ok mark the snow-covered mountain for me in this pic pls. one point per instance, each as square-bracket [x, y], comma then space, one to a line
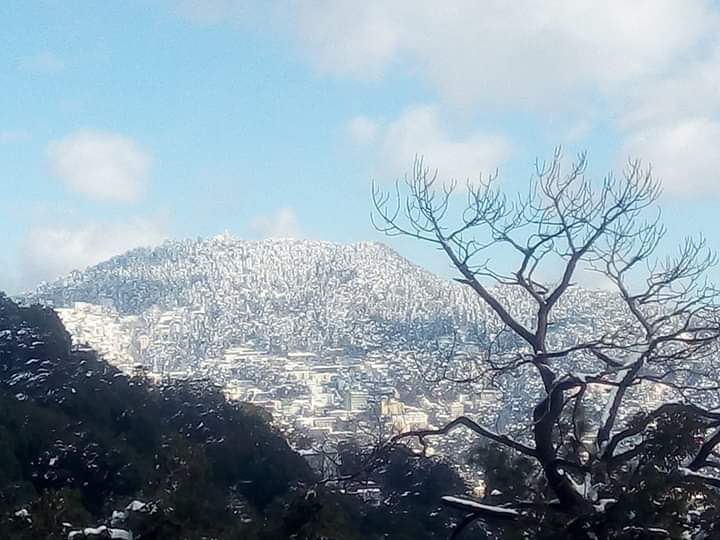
[189, 300]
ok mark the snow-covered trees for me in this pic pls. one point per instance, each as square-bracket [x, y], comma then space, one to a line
[666, 345]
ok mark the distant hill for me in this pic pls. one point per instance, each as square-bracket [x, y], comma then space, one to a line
[189, 300]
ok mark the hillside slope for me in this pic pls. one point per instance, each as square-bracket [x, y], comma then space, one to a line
[189, 300]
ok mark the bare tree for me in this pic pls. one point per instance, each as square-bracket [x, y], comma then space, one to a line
[541, 241]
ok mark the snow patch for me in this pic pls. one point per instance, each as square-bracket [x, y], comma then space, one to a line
[479, 507]
[135, 506]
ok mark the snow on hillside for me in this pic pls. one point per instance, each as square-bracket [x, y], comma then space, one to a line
[186, 301]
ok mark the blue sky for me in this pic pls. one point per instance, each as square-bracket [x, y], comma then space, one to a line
[124, 123]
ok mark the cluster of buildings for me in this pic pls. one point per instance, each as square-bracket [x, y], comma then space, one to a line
[332, 397]
[322, 399]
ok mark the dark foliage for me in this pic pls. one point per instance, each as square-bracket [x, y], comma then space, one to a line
[409, 488]
[645, 499]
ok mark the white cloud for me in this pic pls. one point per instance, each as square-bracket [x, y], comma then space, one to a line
[352, 38]
[688, 92]
[282, 223]
[683, 154]
[54, 250]
[673, 123]
[99, 165]
[522, 52]
[419, 131]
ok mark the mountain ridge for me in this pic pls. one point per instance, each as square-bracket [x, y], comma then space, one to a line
[187, 301]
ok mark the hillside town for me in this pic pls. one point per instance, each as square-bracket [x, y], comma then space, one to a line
[397, 378]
